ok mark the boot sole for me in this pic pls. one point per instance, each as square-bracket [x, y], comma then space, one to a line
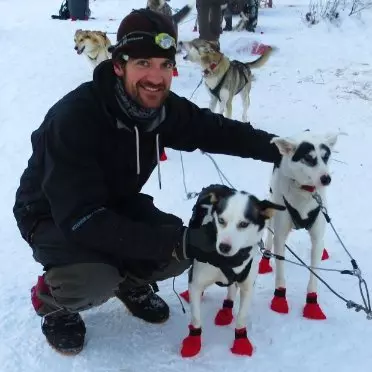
[69, 352]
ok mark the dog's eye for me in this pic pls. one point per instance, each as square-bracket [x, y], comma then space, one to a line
[221, 221]
[243, 224]
[325, 158]
[308, 159]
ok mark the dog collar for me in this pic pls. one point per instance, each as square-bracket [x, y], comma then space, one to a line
[308, 188]
[210, 69]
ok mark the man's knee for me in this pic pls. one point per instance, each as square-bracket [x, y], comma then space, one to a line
[175, 268]
[82, 286]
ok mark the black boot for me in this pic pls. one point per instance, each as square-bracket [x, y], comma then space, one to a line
[143, 303]
[228, 24]
[65, 332]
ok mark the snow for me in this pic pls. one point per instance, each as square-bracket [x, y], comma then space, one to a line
[320, 78]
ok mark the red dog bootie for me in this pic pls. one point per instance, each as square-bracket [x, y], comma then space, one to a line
[264, 266]
[325, 255]
[225, 315]
[191, 345]
[312, 310]
[242, 346]
[186, 296]
[175, 72]
[163, 156]
[279, 302]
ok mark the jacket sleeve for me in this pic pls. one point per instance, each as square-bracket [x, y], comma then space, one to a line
[74, 185]
[196, 128]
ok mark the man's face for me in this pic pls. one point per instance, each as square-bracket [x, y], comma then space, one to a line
[147, 81]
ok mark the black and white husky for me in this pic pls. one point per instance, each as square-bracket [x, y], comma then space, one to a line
[240, 220]
[303, 171]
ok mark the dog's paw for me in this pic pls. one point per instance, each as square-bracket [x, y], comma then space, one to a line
[325, 255]
[191, 345]
[279, 302]
[185, 295]
[264, 266]
[312, 309]
[224, 317]
[242, 346]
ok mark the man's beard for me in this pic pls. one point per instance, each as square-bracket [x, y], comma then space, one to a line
[160, 94]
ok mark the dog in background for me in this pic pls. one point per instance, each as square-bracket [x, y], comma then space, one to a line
[240, 219]
[223, 78]
[160, 6]
[93, 44]
[302, 172]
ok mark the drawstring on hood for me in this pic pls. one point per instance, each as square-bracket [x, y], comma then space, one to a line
[148, 119]
[138, 154]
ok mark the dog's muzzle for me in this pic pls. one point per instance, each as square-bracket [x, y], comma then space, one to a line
[224, 250]
[325, 179]
[79, 51]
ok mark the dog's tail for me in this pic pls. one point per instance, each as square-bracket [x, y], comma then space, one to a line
[181, 14]
[259, 62]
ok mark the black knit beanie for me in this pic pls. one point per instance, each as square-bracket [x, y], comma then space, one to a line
[148, 21]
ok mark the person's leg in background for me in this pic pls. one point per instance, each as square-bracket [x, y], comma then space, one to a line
[215, 18]
[251, 7]
[79, 9]
[227, 15]
[203, 10]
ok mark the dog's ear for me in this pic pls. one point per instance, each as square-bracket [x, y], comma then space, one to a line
[286, 146]
[213, 194]
[331, 139]
[267, 209]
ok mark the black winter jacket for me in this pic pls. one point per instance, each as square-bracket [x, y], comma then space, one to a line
[84, 165]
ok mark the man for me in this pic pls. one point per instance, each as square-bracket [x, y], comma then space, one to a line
[79, 204]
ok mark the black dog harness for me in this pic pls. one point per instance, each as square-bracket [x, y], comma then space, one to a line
[232, 277]
[240, 67]
[299, 222]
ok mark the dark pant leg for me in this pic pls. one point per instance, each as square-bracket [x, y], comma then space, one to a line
[215, 20]
[78, 8]
[228, 19]
[203, 10]
[251, 8]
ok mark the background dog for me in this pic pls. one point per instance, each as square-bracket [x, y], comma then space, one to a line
[93, 44]
[224, 78]
[303, 170]
[160, 6]
[248, 18]
[239, 219]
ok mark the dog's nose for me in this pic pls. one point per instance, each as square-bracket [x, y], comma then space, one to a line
[76, 48]
[325, 179]
[225, 248]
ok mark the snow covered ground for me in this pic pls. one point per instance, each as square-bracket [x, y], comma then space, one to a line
[320, 79]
